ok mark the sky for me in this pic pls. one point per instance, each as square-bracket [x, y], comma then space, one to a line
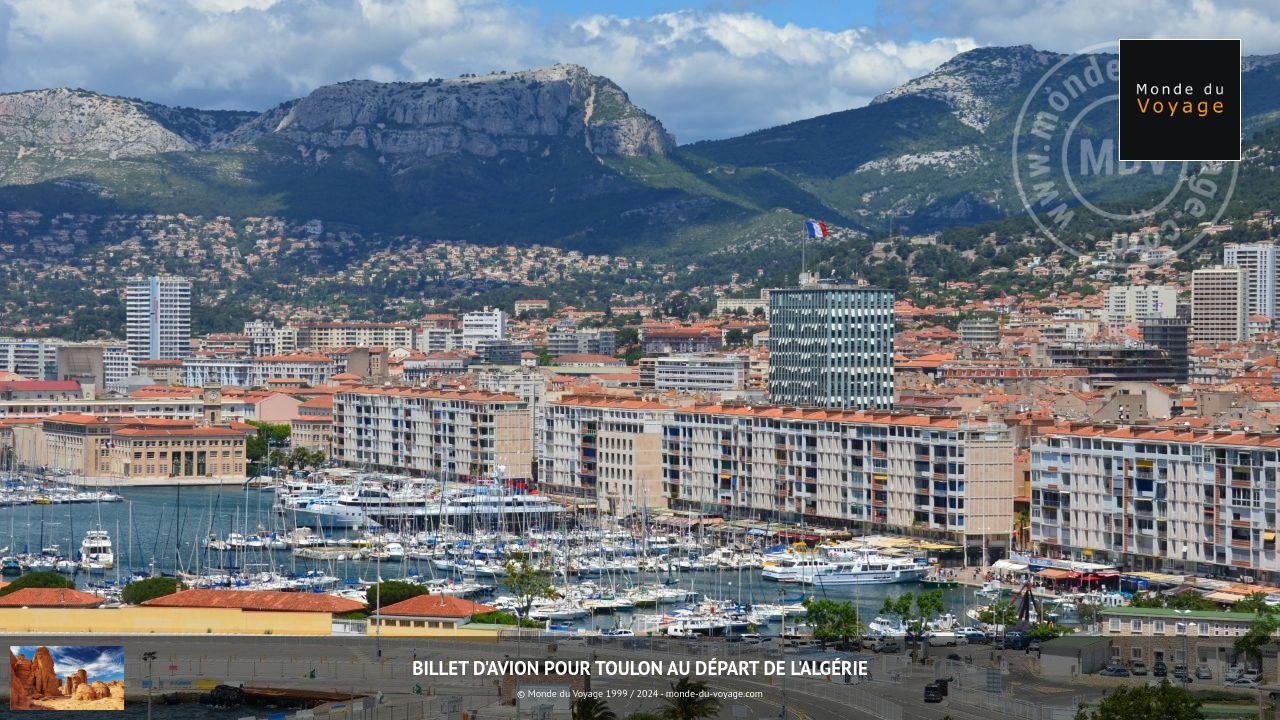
[706, 68]
[101, 663]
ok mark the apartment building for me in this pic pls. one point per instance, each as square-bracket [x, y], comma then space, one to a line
[474, 436]
[675, 340]
[1173, 499]
[980, 331]
[312, 427]
[159, 318]
[33, 359]
[1259, 262]
[707, 372]
[486, 324]
[312, 369]
[1125, 304]
[878, 471]
[591, 341]
[1219, 304]
[605, 451]
[354, 334]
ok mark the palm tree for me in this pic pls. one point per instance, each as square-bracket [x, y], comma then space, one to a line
[689, 700]
[591, 708]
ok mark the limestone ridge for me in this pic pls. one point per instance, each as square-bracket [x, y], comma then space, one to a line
[973, 84]
[477, 115]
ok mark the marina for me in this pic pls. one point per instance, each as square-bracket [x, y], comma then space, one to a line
[612, 578]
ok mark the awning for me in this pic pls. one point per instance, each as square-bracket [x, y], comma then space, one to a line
[757, 531]
[1224, 597]
[1008, 565]
[1268, 535]
[1054, 574]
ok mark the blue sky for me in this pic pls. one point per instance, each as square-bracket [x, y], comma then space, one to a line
[707, 69]
[101, 662]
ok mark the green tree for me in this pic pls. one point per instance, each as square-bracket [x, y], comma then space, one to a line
[526, 581]
[1190, 601]
[644, 715]
[1255, 603]
[1127, 702]
[831, 619]
[1260, 633]
[268, 433]
[735, 337]
[927, 605]
[38, 580]
[689, 700]
[588, 707]
[390, 592]
[140, 591]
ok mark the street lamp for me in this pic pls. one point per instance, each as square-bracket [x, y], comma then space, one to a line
[1186, 658]
[149, 658]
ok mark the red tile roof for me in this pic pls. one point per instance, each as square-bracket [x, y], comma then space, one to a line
[257, 600]
[40, 386]
[49, 597]
[436, 606]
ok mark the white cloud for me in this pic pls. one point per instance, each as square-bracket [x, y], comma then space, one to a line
[704, 74]
[1066, 26]
[710, 74]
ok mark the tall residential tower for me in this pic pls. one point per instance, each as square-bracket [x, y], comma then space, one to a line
[159, 318]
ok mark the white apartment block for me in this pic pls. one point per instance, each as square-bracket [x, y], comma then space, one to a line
[33, 359]
[312, 369]
[1219, 306]
[159, 318]
[878, 470]
[1179, 500]
[703, 372]
[1259, 261]
[1127, 304]
[470, 436]
[530, 386]
[605, 451]
[438, 339]
[486, 324]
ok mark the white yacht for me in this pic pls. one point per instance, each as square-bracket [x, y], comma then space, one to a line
[95, 551]
[868, 568]
[791, 569]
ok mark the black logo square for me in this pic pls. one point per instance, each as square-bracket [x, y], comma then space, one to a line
[1179, 100]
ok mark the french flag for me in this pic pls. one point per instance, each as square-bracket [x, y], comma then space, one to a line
[816, 229]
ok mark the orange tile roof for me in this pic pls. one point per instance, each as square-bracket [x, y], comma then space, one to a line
[179, 432]
[318, 402]
[436, 606]
[49, 597]
[257, 600]
[295, 357]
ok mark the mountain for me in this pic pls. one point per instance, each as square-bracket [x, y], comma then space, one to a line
[557, 156]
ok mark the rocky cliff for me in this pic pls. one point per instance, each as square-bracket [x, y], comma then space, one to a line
[478, 115]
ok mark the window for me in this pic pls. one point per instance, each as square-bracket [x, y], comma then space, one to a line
[1159, 627]
[1135, 625]
[1136, 653]
[1114, 625]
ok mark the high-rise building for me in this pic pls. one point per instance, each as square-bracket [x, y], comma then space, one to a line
[591, 341]
[1170, 334]
[32, 358]
[831, 346]
[1259, 261]
[1218, 304]
[486, 324]
[159, 318]
[1125, 304]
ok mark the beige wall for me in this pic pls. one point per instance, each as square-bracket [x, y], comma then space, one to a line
[419, 627]
[146, 620]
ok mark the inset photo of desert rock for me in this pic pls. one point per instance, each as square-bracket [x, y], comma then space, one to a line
[66, 677]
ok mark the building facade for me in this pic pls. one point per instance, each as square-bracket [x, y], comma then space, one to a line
[354, 334]
[1219, 304]
[159, 318]
[486, 324]
[1188, 501]
[582, 342]
[831, 346]
[1259, 261]
[707, 372]
[470, 436]
[33, 359]
[604, 451]
[1125, 304]
[876, 471]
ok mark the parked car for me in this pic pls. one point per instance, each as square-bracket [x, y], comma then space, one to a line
[1034, 646]
[1137, 667]
[1203, 672]
[974, 636]
[947, 639]
[1233, 672]
[1243, 683]
[1180, 672]
[1159, 669]
[1252, 675]
[1113, 671]
[887, 645]
[932, 693]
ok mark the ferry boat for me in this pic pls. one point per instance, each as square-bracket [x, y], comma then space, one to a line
[95, 551]
[791, 569]
[375, 505]
[868, 568]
